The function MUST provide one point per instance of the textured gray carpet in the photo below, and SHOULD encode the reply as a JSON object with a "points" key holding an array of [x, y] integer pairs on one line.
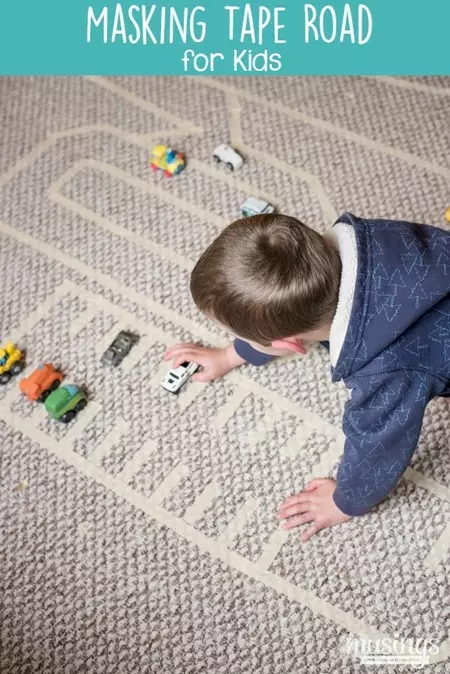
{"points": [[144, 538]]}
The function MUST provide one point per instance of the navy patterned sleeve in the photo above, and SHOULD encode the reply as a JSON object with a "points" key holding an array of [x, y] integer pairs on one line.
{"points": [[251, 355], [382, 423]]}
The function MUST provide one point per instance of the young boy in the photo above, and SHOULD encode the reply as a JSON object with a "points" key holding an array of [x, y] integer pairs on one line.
{"points": [[379, 292]]}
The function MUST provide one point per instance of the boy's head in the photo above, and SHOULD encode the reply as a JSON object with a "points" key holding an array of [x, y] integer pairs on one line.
{"points": [[267, 278]]}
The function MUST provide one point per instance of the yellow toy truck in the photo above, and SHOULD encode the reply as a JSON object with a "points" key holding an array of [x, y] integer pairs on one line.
{"points": [[11, 362]]}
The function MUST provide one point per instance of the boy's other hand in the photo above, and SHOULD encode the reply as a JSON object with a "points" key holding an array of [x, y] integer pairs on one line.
{"points": [[214, 362], [314, 504]]}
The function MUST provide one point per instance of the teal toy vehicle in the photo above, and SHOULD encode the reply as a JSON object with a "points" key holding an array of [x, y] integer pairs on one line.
{"points": [[65, 403]]}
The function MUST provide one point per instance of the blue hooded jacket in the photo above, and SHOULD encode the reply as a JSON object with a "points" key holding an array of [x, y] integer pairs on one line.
{"points": [[395, 356]]}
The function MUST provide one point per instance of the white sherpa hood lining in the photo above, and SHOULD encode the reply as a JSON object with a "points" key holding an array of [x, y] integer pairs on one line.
{"points": [[343, 236]]}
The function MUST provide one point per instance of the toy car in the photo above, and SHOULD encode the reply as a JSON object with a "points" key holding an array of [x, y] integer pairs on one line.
{"points": [[171, 162], [447, 214], [41, 383], [11, 362], [253, 206], [175, 378], [120, 347], [224, 154], [65, 403]]}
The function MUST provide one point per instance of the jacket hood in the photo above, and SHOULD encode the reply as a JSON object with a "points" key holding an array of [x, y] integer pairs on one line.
{"points": [[392, 274]]}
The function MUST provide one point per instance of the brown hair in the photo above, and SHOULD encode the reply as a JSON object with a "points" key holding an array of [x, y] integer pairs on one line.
{"points": [[268, 277]]}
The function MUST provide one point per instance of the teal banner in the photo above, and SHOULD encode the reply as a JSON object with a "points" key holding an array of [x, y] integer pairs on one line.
{"points": [[216, 37]]}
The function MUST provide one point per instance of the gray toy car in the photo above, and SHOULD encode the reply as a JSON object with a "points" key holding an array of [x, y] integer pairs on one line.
{"points": [[120, 347]]}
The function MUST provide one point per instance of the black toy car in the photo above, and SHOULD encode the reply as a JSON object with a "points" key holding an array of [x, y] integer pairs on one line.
{"points": [[120, 347]]}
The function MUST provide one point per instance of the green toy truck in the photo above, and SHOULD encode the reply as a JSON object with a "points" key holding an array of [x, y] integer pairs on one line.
{"points": [[65, 403]]}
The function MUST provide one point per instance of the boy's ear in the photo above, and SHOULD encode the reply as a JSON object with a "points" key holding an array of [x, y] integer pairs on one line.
{"points": [[292, 344]]}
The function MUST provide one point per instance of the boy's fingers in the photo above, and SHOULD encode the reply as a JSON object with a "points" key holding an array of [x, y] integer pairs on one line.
{"points": [[188, 356], [296, 498], [294, 510], [313, 529], [169, 354], [202, 376], [174, 347], [177, 348], [313, 484], [297, 521]]}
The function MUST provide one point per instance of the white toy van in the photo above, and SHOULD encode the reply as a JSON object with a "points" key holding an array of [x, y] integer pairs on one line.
{"points": [[224, 154], [175, 378]]}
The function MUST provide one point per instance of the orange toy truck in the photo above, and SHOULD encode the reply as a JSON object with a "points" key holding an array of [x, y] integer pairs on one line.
{"points": [[41, 383]]}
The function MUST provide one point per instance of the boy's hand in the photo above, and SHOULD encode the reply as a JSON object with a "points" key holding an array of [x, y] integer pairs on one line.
{"points": [[314, 504], [214, 362]]}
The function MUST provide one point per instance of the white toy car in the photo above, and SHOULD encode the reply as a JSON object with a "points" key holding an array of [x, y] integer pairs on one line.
{"points": [[253, 206], [224, 154], [178, 376]]}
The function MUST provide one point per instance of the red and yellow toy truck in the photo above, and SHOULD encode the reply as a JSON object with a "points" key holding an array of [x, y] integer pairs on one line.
{"points": [[41, 383], [169, 161]]}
